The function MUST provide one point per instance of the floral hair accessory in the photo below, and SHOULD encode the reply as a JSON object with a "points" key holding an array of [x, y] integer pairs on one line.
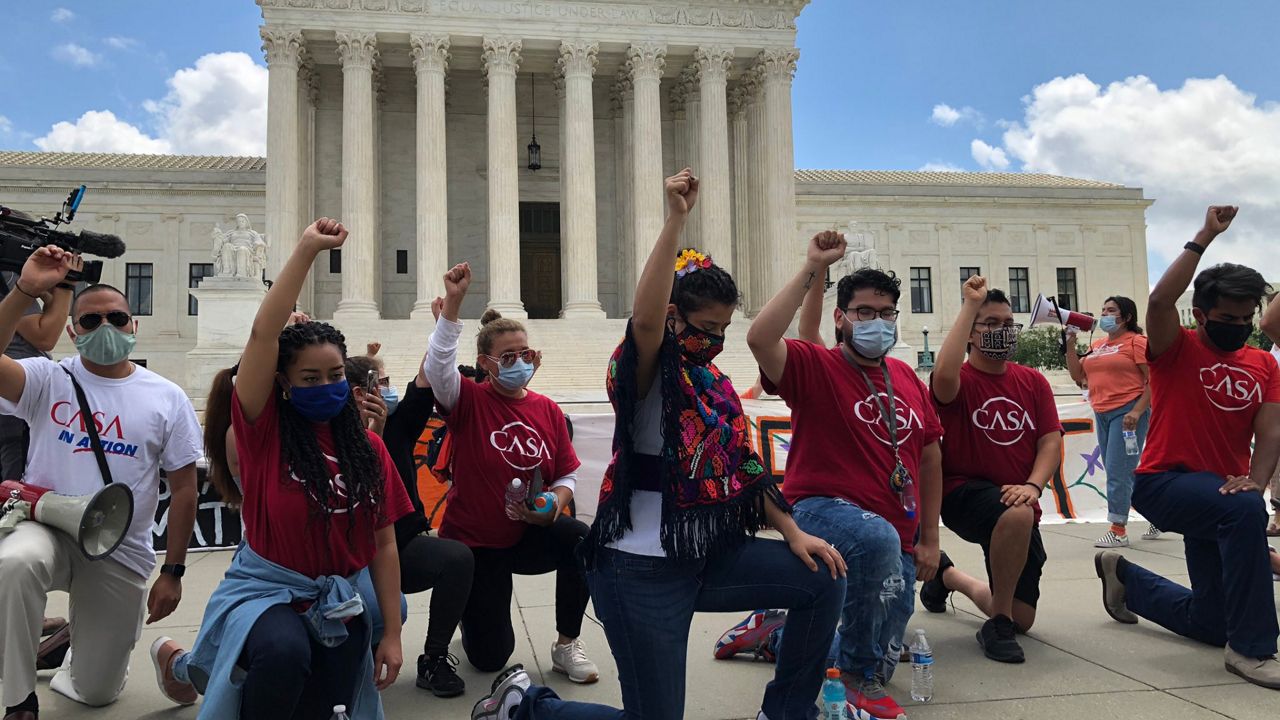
{"points": [[691, 260]]}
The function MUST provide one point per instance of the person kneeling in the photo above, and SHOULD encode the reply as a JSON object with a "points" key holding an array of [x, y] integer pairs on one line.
{"points": [[285, 634], [1002, 442]]}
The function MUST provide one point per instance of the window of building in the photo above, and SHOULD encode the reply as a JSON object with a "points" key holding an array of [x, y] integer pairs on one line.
{"points": [[966, 272], [921, 290], [402, 262], [335, 262], [137, 287], [1020, 289], [195, 273], [1067, 296]]}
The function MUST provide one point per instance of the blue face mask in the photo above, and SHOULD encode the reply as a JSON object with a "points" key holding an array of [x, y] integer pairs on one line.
{"points": [[515, 377], [873, 339], [391, 398], [1108, 323], [320, 403]]}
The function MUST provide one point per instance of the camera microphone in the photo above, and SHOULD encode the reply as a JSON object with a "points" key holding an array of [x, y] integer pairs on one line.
{"points": [[100, 244]]}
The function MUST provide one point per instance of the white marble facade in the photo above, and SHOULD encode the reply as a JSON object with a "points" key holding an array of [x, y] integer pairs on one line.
{"points": [[409, 119]]}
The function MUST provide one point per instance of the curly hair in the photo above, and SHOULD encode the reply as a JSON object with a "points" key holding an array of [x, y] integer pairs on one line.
{"points": [[360, 466], [884, 283], [695, 290]]}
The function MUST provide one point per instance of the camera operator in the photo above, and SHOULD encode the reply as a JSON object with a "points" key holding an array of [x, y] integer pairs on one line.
{"points": [[146, 423], [36, 334]]}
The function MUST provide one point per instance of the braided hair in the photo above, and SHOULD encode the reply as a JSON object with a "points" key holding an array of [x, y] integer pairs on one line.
{"points": [[694, 291], [360, 466]]}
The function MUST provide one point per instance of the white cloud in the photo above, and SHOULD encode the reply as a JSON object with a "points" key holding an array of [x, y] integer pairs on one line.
{"points": [[120, 43], [62, 15], [990, 158], [100, 131], [940, 167], [1206, 142], [946, 116], [218, 107], [6, 126], [74, 54]]}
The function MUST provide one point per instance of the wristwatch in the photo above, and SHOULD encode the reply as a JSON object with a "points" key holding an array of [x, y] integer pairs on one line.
{"points": [[175, 570]]}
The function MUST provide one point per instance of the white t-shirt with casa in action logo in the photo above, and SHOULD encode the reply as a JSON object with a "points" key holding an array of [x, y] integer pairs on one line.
{"points": [[145, 423], [1203, 404]]}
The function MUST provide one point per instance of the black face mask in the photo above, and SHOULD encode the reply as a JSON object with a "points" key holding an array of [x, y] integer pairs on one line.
{"points": [[1228, 337]]}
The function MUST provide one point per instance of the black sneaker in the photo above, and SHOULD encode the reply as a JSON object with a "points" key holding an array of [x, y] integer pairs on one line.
{"points": [[439, 674], [933, 593], [999, 642]]}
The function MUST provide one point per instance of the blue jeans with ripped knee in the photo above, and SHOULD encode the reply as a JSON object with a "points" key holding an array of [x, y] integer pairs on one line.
{"points": [[880, 590]]}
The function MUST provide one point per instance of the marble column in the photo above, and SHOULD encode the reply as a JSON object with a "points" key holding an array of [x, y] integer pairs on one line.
{"points": [[693, 158], [357, 52], [284, 51], [777, 68], [623, 112], [557, 81], [741, 159], [501, 60], [431, 63], [714, 204], [645, 62], [308, 93], [757, 233], [578, 65]]}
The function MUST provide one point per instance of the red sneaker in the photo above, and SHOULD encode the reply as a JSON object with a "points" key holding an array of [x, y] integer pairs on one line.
{"points": [[870, 701], [751, 635]]}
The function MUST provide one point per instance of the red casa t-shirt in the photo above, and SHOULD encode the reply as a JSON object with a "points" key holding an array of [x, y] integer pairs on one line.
{"points": [[278, 519], [992, 428], [496, 439], [1203, 403], [839, 443]]}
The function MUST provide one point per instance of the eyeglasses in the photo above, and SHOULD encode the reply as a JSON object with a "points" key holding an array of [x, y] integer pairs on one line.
{"points": [[997, 325], [507, 359], [865, 313], [90, 321]]}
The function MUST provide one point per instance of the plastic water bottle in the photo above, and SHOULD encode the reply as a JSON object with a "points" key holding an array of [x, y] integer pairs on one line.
{"points": [[921, 669], [515, 496], [909, 498], [340, 713], [833, 696], [545, 502], [1130, 442]]}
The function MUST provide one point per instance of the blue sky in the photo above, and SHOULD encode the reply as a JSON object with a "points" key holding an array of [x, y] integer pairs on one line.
{"points": [[1179, 97]]}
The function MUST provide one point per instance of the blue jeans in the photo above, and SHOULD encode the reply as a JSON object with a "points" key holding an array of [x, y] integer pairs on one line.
{"points": [[1231, 599], [1120, 465], [879, 596], [290, 675], [647, 604]]}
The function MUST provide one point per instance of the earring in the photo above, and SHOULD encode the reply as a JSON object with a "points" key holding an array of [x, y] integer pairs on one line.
{"points": [[285, 392]]}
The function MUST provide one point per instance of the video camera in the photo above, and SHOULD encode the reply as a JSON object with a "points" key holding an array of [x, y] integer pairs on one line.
{"points": [[21, 235]]}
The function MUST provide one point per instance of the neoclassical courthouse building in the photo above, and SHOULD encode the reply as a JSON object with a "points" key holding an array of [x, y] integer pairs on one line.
{"points": [[412, 120]]}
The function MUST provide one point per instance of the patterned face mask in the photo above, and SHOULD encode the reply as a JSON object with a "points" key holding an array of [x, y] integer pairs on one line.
{"points": [[999, 344], [699, 346]]}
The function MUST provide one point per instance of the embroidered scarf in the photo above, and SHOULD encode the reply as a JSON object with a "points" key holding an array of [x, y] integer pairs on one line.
{"points": [[713, 484]]}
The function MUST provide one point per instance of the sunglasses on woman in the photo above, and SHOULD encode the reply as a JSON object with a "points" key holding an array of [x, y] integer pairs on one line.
{"points": [[507, 359], [91, 321]]}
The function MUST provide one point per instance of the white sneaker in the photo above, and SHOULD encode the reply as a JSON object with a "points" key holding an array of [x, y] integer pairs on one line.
{"points": [[1152, 533], [505, 697], [572, 660], [1111, 540], [1259, 671]]}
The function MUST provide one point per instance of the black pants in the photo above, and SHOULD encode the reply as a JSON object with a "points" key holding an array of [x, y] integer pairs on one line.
{"points": [[445, 568], [487, 634], [15, 437], [972, 511], [291, 676]]}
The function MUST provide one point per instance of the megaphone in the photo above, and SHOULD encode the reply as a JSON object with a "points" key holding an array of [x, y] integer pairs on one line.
{"points": [[1046, 310], [98, 522]]}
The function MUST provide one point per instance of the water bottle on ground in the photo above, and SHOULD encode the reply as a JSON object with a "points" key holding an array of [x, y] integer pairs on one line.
{"points": [[1130, 442], [921, 669], [516, 494], [340, 713], [833, 696]]}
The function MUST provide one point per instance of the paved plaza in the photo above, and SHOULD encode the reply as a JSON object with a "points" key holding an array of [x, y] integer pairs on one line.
{"points": [[1080, 664]]}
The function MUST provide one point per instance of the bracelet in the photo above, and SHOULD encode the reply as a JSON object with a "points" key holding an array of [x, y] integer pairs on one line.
{"points": [[18, 285], [1194, 247], [1039, 490]]}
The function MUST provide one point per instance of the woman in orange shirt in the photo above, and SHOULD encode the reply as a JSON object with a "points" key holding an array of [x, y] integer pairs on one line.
{"points": [[1115, 373]]}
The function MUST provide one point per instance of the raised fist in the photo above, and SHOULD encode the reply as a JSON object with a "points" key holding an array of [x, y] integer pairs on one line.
{"points": [[827, 247], [682, 192], [457, 280], [975, 290], [324, 234], [1218, 218]]}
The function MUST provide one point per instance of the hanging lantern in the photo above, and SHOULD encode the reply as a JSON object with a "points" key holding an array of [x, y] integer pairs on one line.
{"points": [[535, 150]]}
